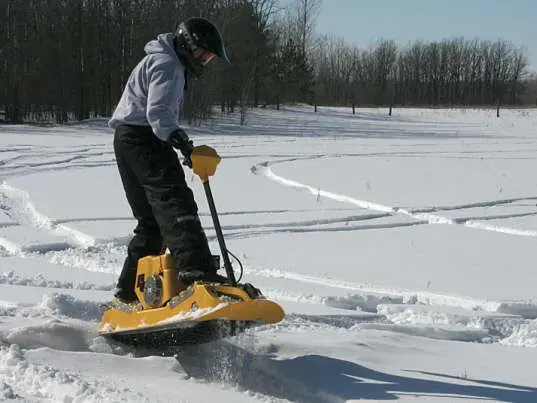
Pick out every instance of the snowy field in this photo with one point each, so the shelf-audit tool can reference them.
(402, 248)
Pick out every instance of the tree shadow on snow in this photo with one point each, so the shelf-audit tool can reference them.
(320, 379)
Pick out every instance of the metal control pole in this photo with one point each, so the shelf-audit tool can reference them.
(219, 234)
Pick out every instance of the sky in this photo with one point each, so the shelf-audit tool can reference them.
(363, 22)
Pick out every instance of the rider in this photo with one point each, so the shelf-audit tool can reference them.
(146, 133)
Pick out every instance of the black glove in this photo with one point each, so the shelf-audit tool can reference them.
(179, 140)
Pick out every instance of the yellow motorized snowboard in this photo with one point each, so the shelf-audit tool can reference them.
(168, 313)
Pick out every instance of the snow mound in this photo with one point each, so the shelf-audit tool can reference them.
(526, 310)
(8, 248)
(58, 321)
(8, 308)
(53, 334)
(12, 278)
(438, 332)
(29, 382)
(365, 302)
(102, 258)
(462, 324)
(524, 336)
(65, 305)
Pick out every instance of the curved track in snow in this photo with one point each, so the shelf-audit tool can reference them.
(429, 216)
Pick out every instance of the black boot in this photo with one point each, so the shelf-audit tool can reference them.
(189, 277)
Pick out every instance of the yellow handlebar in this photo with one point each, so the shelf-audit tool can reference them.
(204, 159)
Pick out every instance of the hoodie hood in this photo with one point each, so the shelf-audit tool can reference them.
(163, 44)
(154, 91)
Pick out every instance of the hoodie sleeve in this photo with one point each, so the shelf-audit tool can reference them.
(164, 95)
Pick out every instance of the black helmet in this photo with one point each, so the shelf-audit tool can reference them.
(198, 33)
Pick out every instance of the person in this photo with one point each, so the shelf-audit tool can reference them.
(146, 135)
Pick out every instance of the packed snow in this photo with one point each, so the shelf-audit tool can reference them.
(401, 247)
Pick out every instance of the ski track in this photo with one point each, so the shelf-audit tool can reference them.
(264, 169)
(368, 298)
(39, 280)
(51, 159)
(16, 204)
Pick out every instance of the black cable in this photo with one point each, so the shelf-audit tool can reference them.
(240, 264)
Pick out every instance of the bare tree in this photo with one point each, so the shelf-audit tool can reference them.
(300, 20)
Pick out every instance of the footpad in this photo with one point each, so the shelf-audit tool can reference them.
(253, 292)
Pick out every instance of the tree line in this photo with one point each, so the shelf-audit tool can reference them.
(69, 59)
(447, 72)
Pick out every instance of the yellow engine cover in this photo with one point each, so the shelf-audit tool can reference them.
(156, 268)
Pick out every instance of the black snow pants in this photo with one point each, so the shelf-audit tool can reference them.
(163, 204)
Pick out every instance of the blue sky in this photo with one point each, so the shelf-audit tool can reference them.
(363, 22)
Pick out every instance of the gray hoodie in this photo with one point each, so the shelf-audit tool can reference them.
(154, 90)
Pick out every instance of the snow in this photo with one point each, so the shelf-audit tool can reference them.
(192, 314)
(401, 249)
